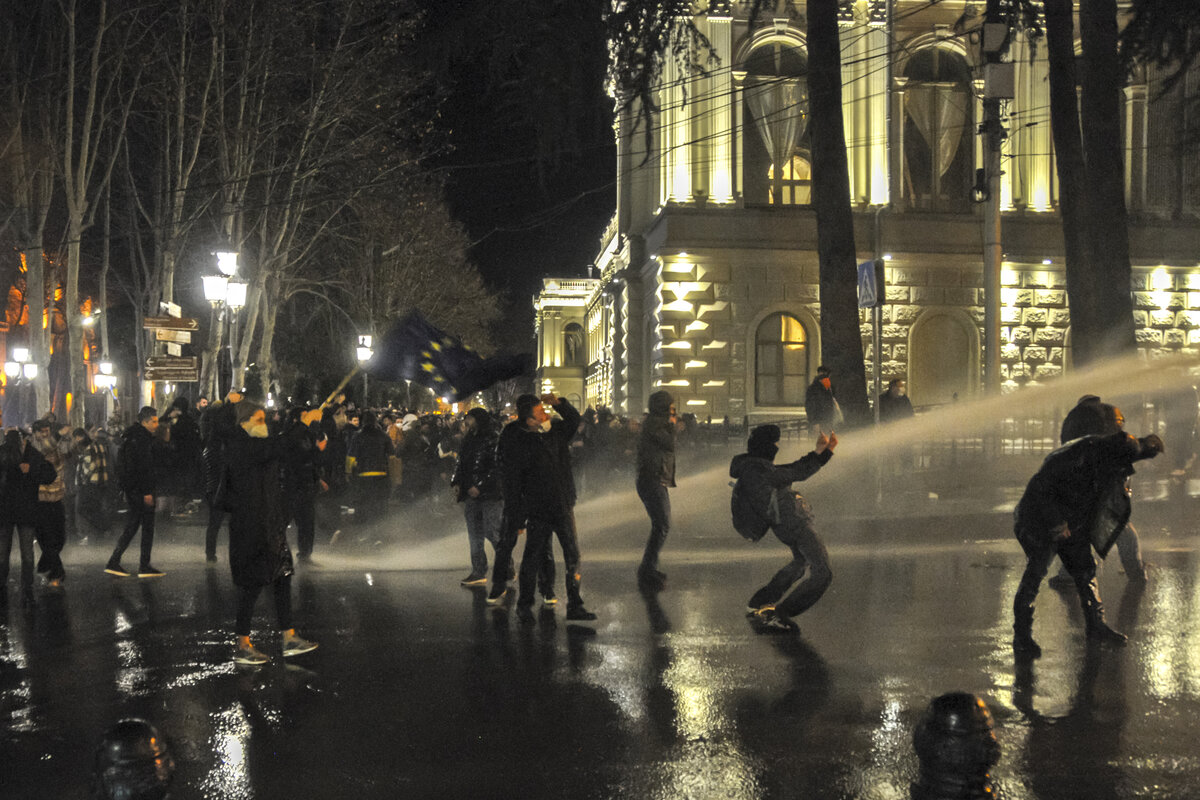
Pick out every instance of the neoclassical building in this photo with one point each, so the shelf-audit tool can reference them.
(706, 279)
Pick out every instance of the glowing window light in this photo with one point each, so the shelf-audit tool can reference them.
(697, 402)
(1160, 280)
(676, 382)
(1010, 277)
(713, 384)
(715, 345)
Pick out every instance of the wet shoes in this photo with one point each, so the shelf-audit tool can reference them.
(774, 622)
(580, 614)
(549, 600)
(150, 572)
(115, 568)
(295, 645)
(496, 596)
(474, 579)
(248, 654)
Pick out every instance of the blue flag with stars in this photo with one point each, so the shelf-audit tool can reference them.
(414, 350)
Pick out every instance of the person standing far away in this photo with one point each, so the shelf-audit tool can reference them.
(22, 471)
(303, 444)
(894, 403)
(51, 526)
(139, 462)
(655, 475)
(476, 480)
(258, 548)
(820, 403)
(766, 488)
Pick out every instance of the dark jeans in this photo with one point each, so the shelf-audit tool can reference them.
(658, 505)
(248, 596)
(25, 535)
(304, 512)
(1076, 555)
(483, 524)
(539, 550)
(808, 554)
(503, 560)
(51, 534)
(140, 516)
(372, 492)
(216, 517)
(328, 510)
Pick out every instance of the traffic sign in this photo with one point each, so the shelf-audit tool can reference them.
(870, 283)
(170, 323)
(171, 374)
(179, 337)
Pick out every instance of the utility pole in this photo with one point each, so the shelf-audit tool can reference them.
(997, 85)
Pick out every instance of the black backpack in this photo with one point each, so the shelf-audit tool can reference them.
(751, 523)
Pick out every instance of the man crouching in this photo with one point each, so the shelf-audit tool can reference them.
(1076, 501)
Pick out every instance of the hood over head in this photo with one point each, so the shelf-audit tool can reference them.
(660, 402)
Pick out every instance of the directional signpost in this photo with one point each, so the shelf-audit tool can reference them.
(173, 368)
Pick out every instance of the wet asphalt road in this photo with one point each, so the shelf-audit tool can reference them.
(420, 690)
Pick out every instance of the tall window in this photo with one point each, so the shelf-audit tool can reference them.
(780, 361)
(937, 130)
(573, 355)
(775, 117)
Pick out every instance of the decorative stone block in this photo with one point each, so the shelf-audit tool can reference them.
(1140, 319)
(1020, 371)
(723, 291)
(1035, 355)
(897, 294)
(866, 331)
(1175, 338)
(905, 314)
(1056, 354)
(1162, 319)
(1148, 336)
(1060, 317)
(929, 295)
(1035, 316)
(1144, 300)
(1187, 319)
(1139, 281)
(906, 277)
(1048, 371)
(961, 296)
(1049, 297)
(1021, 335)
(899, 351)
(802, 292)
(1008, 316)
(892, 369)
(976, 313)
(895, 332)
(1010, 352)
(1048, 336)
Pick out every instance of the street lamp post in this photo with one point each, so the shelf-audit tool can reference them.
(221, 291)
(105, 381)
(364, 353)
(235, 298)
(20, 372)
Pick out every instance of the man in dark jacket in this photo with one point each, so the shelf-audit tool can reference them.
(215, 427)
(894, 403)
(767, 489)
(139, 463)
(332, 464)
(1077, 501)
(655, 475)
(22, 470)
(370, 449)
(476, 479)
(1091, 417)
(820, 405)
(537, 493)
(258, 547)
(303, 443)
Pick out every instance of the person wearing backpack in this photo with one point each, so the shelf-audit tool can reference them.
(139, 461)
(762, 500)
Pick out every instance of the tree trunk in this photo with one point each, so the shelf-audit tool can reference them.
(841, 341)
(1105, 188)
(1068, 148)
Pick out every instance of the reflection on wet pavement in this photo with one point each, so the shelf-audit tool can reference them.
(420, 689)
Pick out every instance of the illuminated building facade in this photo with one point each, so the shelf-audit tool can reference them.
(708, 272)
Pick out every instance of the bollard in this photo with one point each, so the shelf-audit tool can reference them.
(957, 748)
(132, 762)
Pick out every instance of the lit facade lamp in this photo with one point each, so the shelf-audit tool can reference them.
(12, 369)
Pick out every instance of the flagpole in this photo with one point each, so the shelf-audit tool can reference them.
(340, 386)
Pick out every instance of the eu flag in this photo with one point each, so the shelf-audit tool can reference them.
(414, 350)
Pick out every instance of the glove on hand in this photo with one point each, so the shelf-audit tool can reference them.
(1152, 445)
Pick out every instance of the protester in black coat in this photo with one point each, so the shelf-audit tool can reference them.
(258, 547)
(216, 426)
(820, 404)
(476, 480)
(1077, 501)
(303, 442)
(370, 449)
(139, 463)
(22, 470)
(655, 475)
(537, 499)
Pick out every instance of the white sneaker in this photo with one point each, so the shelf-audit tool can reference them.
(294, 645)
(248, 654)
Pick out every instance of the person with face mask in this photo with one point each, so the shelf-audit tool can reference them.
(820, 404)
(767, 487)
(259, 556)
(539, 498)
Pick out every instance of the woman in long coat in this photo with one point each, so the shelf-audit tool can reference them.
(258, 550)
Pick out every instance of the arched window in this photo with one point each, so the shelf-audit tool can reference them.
(775, 117)
(938, 125)
(780, 361)
(573, 355)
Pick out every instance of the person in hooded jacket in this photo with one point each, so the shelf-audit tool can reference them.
(767, 488)
(22, 471)
(259, 556)
(1076, 501)
(820, 402)
(655, 475)
(304, 443)
(215, 426)
(1091, 417)
(370, 449)
(140, 463)
(476, 480)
